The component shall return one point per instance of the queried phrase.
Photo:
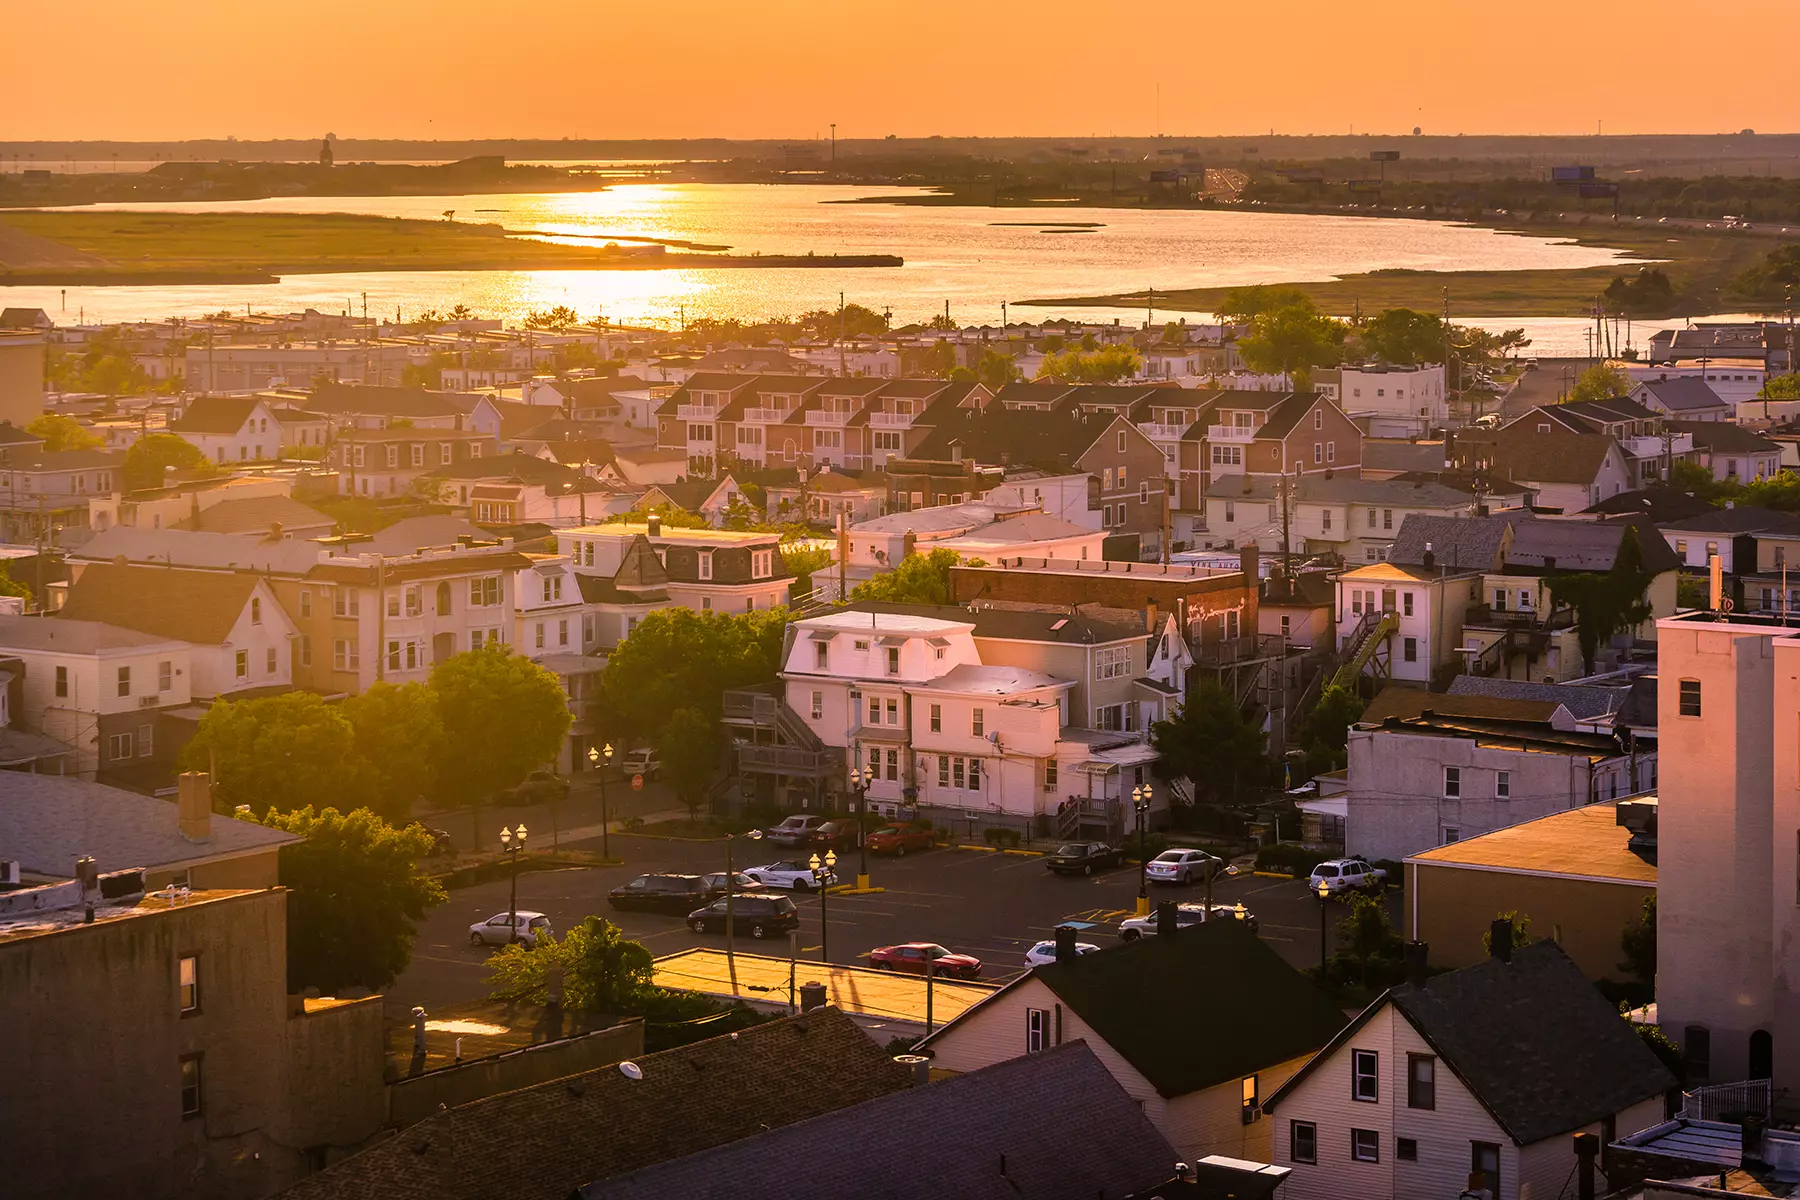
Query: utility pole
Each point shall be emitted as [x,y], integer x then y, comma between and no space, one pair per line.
[834,143]
[1287,569]
[843,367]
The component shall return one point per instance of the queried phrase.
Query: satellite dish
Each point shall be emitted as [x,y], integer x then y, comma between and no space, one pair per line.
[631,1070]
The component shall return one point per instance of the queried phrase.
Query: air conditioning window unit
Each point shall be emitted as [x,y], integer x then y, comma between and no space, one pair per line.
[9,871]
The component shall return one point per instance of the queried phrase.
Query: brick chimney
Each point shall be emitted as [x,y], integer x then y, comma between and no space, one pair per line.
[1248,558]
[194,806]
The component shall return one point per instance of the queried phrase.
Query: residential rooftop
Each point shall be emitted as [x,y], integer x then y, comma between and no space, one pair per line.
[702,537]
[71,914]
[69,636]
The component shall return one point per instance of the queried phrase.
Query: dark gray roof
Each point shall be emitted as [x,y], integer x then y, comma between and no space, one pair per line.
[1043,1126]
[1456,542]
[1585,545]
[1659,503]
[1585,702]
[1533,1041]
[1388,454]
[1745,518]
[1542,1050]
[340,398]
[1639,709]
[1684,393]
[1725,437]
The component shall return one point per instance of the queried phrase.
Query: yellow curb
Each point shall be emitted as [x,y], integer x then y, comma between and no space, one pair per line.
[982,849]
[1027,853]
[846,890]
[1274,875]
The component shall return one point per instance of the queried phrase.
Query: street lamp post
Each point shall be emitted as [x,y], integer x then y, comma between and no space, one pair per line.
[859,783]
[594,755]
[1140,800]
[512,844]
[823,877]
[1212,869]
[730,913]
[1324,894]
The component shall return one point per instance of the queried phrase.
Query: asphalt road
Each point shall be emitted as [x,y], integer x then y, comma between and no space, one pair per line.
[995,906]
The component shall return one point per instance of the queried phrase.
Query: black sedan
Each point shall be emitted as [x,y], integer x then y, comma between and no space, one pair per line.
[677,895]
[1083,858]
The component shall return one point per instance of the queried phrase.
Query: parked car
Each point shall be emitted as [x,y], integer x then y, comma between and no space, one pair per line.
[677,895]
[796,830]
[740,883]
[1132,928]
[440,840]
[1083,858]
[833,835]
[1346,875]
[641,762]
[759,914]
[912,956]
[495,930]
[1044,953]
[1182,866]
[898,839]
[791,873]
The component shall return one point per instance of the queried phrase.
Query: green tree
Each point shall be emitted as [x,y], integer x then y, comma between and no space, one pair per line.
[1770,280]
[503,717]
[1781,387]
[995,369]
[1403,336]
[937,360]
[1780,491]
[278,753]
[1609,603]
[1647,291]
[13,587]
[1109,364]
[915,579]
[1293,340]
[1599,383]
[601,971]
[688,745]
[1210,743]
[1521,931]
[942,323]
[399,738]
[677,658]
[63,433]
[671,516]
[149,458]
[1174,333]
[853,320]
[357,895]
[559,318]
[1242,305]
[1696,480]
[1325,731]
[1638,942]
[803,561]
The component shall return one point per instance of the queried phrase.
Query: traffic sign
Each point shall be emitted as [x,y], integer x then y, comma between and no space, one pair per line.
[637,783]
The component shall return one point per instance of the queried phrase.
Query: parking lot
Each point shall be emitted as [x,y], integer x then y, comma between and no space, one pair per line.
[991,905]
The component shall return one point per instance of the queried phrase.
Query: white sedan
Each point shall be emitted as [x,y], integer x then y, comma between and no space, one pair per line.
[1183,866]
[494,931]
[788,873]
[1044,953]
[1132,928]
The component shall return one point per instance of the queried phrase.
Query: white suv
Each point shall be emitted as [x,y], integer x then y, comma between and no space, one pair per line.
[1346,875]
[1182,866]
[640,762]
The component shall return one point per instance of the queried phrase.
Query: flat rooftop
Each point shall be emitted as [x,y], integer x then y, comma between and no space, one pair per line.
[57,920]
[483,1029]
[1582,843]
[703,537]
[858,991]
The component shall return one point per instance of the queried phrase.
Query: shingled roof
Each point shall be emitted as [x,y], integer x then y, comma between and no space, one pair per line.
[190,606]
[1000,1133]
[1533,1041]
[1154,1001]
[543,1142]
[216,414]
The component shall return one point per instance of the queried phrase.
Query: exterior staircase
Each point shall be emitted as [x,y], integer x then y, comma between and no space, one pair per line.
[1374,629]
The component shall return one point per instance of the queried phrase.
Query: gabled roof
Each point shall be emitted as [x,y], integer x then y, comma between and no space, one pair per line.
[524,468]
[1660,503]
[546,1140]
[1158,1003]
[1684,393]
[1007,436]
[1724,437]
[1587,416]
[344,398]
[216,414]
[31,459]
[48,821]
[1743,518]
[1287,414]
[1541,1050]
[1525,453]
[639,567]
[1585,702]
[1391,454]
[257,514]
[598,391]
[190,606]
[14,438]
[1456,542]
[1000,1133]
[412,534]
[1585,545]
[72,637]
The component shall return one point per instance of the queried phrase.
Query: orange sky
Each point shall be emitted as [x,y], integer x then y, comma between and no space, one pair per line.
[151,69]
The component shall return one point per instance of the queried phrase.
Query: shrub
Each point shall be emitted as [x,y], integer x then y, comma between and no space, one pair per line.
[1001,836]
[1287,858]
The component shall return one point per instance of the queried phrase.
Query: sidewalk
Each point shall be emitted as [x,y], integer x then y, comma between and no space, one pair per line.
[575,818]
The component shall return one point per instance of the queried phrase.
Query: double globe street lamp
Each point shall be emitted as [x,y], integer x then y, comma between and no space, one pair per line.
[823,878]
[594,755]
[512,844]
[1140,801]
[859,783]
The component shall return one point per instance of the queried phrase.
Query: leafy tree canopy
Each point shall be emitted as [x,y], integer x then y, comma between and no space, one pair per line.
[1294,339]
[399,738]
[63,433]
[915,579]
[1242,305]
[357,895]
[1325,732]
[677,658]
[1781,387]
[600,970]
[688,744]
[503,717]
[1109,364]
[148,459]
[1403,336]
[278,753]
[559,318]
[1639,944]
[1211,743]
[1599,383]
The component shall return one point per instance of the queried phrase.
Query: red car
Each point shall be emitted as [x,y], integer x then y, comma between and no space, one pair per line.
[898,839]
[914,955]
